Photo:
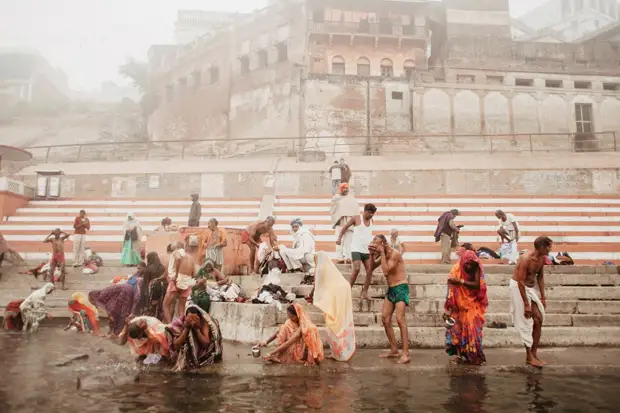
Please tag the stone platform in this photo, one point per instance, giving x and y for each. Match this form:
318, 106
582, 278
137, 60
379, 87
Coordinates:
583, 305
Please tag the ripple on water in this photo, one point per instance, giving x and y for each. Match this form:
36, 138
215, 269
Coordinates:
109, 384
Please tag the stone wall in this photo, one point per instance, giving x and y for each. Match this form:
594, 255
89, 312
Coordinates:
384, 182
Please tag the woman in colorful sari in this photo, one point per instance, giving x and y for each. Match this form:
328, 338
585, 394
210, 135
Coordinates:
119, 301
195, 339
33, 309
146, 337
12, 320
132, 241
298, 340
154, 286
466, 304
85, 315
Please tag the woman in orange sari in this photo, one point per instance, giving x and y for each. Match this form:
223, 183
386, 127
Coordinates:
85, 315
466, 304
298, 340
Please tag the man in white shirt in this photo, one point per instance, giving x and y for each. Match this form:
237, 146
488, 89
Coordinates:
336, 174
508, 230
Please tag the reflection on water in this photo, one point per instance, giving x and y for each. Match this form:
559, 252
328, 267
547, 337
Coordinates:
30, 382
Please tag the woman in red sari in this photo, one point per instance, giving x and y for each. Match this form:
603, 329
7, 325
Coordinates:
466, 304
13, 317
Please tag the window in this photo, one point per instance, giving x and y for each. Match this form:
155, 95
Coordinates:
363, 66
583, 117
282, 52
338, 66
409, 68
387, 68
465, 79
214, 73
196, 79
169, 93
495, 80
318, 16
397, 95
245, 64
583, 85
263, 59
524, 82
553, 83
611, 86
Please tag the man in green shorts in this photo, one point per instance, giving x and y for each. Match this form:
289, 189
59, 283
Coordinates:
397, 298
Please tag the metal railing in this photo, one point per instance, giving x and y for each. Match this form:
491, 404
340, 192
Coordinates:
317, 147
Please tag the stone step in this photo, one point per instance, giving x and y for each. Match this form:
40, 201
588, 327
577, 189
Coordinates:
434, 337
436, 320
500, 269
493, 292
436, 306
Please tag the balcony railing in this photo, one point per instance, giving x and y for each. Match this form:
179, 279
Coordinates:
370, 29
387, 145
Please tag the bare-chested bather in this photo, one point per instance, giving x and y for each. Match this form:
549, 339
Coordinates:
527, 298
251, 237
397, 297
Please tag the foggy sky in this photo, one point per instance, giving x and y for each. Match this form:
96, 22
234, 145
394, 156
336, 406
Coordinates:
89, 39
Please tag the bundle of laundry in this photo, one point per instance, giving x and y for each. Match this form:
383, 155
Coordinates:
92, 262
228, 292
273, 294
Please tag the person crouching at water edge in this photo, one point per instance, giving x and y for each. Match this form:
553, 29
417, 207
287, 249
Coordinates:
397, 297
85, 317
528, 298
194, 339
465, 306
33, 309
298, 340
146, 337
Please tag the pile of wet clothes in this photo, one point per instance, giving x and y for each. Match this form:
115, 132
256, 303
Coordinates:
271, 292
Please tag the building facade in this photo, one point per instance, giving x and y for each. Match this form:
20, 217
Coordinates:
369, 77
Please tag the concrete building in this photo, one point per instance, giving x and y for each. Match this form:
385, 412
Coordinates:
192, 24
366, 77
27, 77
566, 20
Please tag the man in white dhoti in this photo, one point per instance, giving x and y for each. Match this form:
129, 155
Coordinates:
528, 300
508, 231
344, 206
301, 255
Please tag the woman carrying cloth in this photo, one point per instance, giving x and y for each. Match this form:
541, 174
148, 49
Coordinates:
194, 339
298, 340
85, 315
132, 241
466, 304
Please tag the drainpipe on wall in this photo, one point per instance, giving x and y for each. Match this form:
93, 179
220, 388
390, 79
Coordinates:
368, 122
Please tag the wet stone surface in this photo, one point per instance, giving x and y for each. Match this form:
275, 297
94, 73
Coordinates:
49, 371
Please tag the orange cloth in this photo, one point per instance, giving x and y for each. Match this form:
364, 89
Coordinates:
210, 241
342, 187
157, 343
78, 303
310, 344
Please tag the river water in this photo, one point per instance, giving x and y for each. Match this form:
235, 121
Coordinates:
32, 380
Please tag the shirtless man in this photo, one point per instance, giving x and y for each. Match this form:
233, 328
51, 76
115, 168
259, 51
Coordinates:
397, 297
181, 275
210, 269
528, 300
251, 237
57, 239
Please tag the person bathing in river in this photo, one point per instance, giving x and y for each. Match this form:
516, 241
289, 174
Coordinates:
528, 299
57, 238
298, 340
85, 317
145, 336
33, 309
251, 237
181, 276
119, 301
397, 297
466, 304
194, 339
362, 237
